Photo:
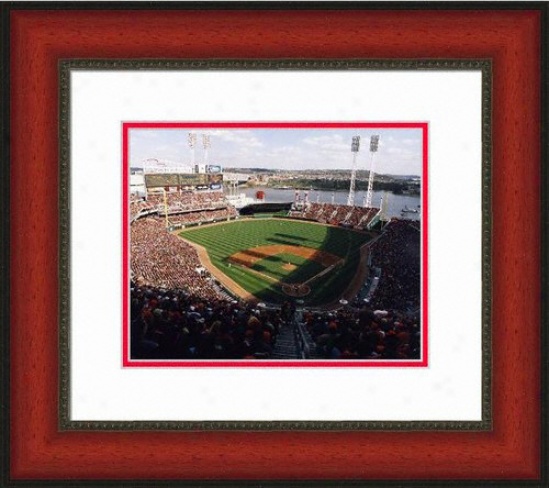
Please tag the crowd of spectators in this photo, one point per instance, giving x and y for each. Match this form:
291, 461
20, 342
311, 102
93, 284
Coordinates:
333, 214
184, 207
388, 325
177, 324
204, 216
178, 201
161, 259
364, 334
138, 206
397, 254
360, 217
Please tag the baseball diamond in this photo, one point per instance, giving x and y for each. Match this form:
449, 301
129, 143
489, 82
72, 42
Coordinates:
273, 259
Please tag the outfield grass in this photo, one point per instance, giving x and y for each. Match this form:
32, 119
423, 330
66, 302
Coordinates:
223, 240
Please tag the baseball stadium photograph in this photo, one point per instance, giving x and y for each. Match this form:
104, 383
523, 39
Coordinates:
275, 244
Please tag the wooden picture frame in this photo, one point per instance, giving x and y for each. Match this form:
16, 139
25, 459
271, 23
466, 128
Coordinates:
67, 354
38, 36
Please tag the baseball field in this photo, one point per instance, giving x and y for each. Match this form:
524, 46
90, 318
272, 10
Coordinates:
274, 259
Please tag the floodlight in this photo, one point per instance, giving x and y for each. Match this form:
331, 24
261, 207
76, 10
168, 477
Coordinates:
355, 145
191, 139
206, 141
374, 143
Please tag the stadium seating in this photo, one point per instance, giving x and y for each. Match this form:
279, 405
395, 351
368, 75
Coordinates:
178, 311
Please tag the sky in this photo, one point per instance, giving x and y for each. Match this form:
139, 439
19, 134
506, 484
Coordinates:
400, 150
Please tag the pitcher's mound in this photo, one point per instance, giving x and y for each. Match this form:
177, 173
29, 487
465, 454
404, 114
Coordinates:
289, 267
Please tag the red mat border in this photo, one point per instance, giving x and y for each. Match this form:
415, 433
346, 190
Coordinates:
128, 362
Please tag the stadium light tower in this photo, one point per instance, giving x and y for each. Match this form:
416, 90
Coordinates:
206, 143
374, 144
192, 143
355, 146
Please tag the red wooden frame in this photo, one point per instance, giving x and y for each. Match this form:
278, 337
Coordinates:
39, 39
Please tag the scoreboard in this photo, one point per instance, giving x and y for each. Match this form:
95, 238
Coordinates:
202, 180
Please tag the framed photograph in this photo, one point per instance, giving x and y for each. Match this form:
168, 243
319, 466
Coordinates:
298, 263
257, 246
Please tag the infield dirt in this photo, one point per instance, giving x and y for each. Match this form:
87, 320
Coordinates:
225, 281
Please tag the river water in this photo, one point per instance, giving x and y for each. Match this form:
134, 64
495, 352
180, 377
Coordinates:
395, 203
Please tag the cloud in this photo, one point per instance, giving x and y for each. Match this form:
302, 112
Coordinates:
400, 150
144, 134
324, 140
410, 142
243, 138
